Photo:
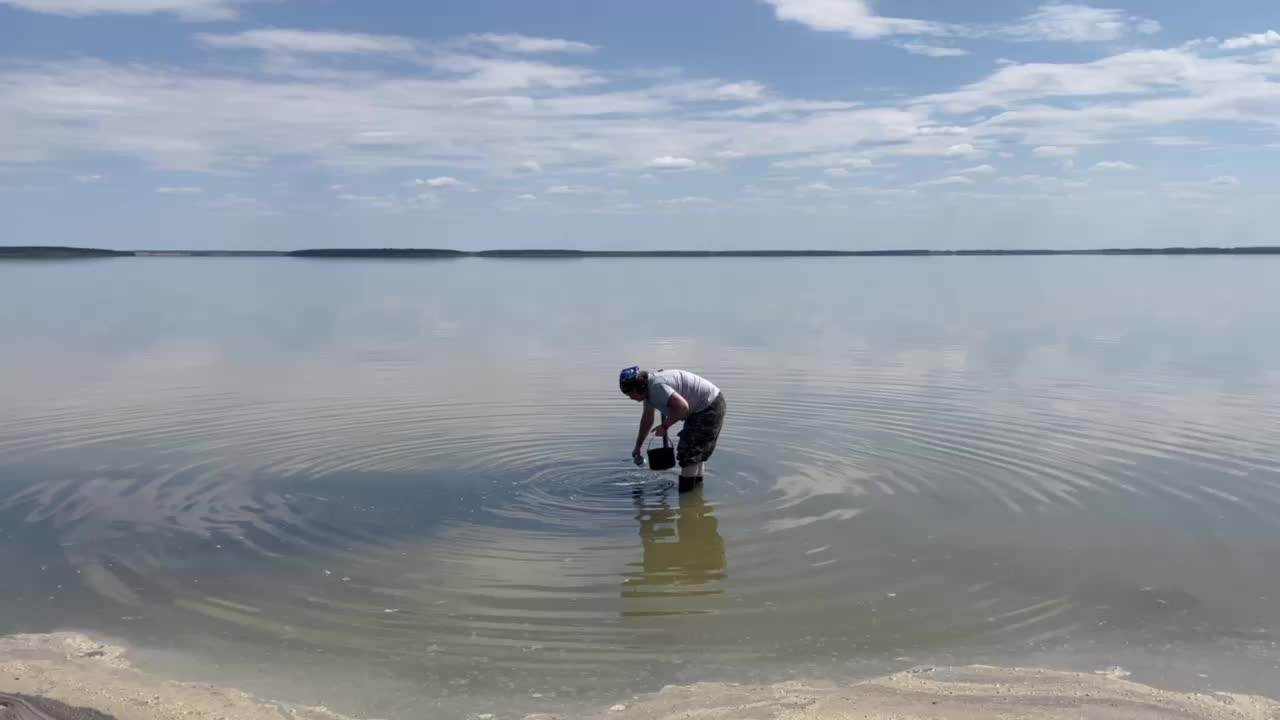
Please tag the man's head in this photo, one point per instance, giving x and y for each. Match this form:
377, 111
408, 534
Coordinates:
634, 383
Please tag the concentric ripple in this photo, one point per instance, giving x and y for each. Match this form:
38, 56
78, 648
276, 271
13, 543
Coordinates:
467, 514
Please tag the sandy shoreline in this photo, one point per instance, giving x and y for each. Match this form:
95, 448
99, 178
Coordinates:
83, 672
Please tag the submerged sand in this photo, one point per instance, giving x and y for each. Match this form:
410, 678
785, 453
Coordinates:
80, 671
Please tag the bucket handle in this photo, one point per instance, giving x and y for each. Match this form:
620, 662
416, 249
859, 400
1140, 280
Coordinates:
666, 441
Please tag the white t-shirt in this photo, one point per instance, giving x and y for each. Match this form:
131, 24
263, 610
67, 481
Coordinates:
696, 390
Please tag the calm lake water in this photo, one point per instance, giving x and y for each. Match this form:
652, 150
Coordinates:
384, 486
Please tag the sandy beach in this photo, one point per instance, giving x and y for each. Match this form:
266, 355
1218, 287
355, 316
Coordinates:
82, 672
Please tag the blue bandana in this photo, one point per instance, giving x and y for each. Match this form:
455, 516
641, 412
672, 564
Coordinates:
628, 375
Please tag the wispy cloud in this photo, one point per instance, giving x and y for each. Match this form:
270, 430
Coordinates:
1044, 182
441, 182
379, 202
1051, 151
179, 190
308, 41
944, 181
1052, 22
1070, 22
963, 150
1115, 165
817, 188
842, 160
668, 162
472, 114
190, 10
571, 190
739, 91
1174, 141
513, 43
933, 51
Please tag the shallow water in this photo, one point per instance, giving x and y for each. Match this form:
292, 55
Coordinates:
382, 484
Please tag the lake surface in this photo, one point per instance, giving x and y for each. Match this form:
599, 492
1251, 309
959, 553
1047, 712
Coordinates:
384, 486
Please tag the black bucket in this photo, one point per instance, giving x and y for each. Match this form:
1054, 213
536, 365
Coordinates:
663, 458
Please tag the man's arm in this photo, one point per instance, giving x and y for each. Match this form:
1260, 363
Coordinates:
677, 410
646, 423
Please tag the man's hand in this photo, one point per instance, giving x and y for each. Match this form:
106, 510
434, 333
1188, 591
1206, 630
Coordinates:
661, 430
637, 456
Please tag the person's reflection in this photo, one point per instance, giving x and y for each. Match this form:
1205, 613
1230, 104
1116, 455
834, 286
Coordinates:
683, 553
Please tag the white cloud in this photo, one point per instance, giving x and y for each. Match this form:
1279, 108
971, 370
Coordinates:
842, 160
739, 91
1269, 38
1204, 190
380, 202
440, 182
308, 41
1054, 21
483, 74
1138, 72
690, 200
784, 108
1044, 182
1051, 151
855, 17
465, 113
933, 51
469, 114
1173, 141
952, 180
527, 197
815, 188
88, 179
1115, 165
570, 190
529, 167
181, 190
978, 170
944, 130
529, 45
1148, 26
963, 150
190, 10
836, 172
668, 162
1069, 22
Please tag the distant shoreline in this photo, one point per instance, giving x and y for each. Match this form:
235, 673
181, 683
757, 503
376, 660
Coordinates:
60, 252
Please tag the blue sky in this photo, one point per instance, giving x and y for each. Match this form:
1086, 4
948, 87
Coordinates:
155, 124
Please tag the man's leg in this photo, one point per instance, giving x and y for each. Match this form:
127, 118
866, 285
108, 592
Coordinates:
690, 476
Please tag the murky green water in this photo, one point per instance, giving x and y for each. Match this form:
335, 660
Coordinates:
388, 485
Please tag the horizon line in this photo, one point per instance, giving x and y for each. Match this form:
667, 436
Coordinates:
54, 251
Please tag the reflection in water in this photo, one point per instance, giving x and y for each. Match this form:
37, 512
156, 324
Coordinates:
393, 466
683, 552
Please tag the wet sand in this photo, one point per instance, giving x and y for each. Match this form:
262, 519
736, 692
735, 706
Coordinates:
83, 672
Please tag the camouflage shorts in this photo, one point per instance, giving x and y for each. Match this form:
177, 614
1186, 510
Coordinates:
700, 432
